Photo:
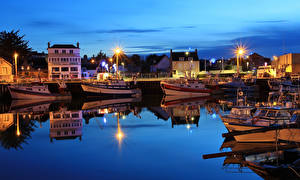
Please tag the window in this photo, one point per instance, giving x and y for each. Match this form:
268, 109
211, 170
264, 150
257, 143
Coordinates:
56, 116
55, 76
73, 131
66, 132
71, 51
64, 69
74, 68
181, 58
75, 115
56, 51
64, 51
58, 133
55, 69
190, 58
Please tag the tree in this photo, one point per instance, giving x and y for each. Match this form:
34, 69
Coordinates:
11, 42
101, 55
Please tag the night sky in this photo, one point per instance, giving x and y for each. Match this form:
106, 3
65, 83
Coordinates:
268, 27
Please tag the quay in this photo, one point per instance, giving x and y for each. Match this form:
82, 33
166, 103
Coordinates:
148, 86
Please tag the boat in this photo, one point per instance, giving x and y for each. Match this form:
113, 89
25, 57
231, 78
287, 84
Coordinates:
239, 114
110, 87
36, 91
184, 87
267, 125
283, 85
232, 86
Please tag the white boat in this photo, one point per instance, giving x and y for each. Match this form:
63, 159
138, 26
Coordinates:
110, 88
267, 125
184, 88
35, 91
238, 114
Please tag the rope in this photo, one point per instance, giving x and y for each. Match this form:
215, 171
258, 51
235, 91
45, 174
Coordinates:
294, 171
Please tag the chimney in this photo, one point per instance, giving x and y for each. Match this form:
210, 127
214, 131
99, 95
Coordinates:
171, 54
77, 44
48, 44
196, 52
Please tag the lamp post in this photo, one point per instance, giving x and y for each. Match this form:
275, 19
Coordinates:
16, 66
117, 52
239, 52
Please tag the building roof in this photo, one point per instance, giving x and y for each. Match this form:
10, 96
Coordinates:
63, 46
176, 55
1, 59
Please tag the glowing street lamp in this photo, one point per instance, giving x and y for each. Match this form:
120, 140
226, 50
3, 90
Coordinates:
117, 52
16, 65
240, 51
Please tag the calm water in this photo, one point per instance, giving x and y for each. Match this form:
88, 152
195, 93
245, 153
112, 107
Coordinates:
114, 139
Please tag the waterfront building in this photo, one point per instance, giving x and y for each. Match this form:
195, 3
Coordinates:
5, 71
65, 124
185, 63
287, 64
64, 61
162, 65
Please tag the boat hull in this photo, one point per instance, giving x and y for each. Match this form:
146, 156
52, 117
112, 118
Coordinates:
95, 90
27, 95
175, 90
286, 134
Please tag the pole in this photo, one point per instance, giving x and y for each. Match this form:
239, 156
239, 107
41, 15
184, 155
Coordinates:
117, 66
222, 64
16, 66
238, 65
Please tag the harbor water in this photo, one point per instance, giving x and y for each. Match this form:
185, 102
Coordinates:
145, 138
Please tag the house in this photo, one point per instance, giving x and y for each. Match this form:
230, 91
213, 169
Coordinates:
162, 65
256, 60
64, 61
287, 64
5, 71
185, 63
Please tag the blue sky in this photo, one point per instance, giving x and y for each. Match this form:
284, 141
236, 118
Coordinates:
214, 27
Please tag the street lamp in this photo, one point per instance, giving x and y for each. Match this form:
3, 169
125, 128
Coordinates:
16, 65
117, 52
240, 51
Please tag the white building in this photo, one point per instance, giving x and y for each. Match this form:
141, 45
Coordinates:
5, 71
64, 61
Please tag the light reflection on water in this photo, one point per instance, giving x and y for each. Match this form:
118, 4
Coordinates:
113, 139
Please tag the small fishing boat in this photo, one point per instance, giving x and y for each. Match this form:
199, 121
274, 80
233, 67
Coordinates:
36, 91
184, 87
282, 85
267, 125
111, 87
239, 114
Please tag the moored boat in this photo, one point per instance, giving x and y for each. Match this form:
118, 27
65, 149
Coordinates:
184, 88
267, 125
35, 91
110, 88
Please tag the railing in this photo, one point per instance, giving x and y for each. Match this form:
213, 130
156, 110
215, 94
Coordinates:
146, 75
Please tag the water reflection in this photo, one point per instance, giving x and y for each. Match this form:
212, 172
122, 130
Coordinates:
65, 124
117, 120
268, 160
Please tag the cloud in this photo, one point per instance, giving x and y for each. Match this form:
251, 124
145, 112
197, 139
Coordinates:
272, 21
45, 24
128, 31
